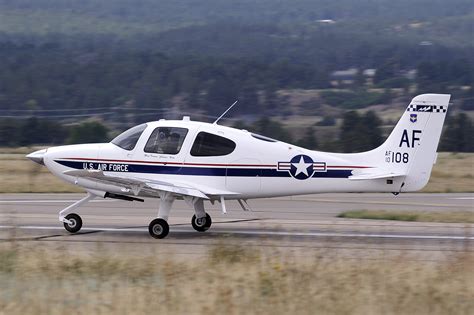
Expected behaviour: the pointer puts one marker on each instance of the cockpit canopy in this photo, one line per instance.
(169, 140)
(128, 139)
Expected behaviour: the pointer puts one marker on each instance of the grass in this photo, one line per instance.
(45, 280)
(20, 175)
(453, 172)
(444, 217)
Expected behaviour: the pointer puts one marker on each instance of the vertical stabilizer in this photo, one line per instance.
(411, 147)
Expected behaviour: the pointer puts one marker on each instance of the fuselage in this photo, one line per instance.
(210, 155)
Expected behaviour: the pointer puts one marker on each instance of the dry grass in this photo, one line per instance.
(419, 216)
(20, 175)
(452, 173)
(230, 280)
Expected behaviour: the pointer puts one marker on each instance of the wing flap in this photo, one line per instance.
(136, 184)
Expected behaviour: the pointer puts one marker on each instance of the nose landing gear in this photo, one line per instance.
(73, 223)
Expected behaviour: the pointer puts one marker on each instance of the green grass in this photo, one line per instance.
(444, 217)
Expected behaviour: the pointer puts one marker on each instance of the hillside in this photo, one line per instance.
(128, 61)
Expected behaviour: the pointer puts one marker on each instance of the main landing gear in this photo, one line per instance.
(158, 228)
(201, 224)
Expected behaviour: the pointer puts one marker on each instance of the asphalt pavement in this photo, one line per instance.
(304, 225)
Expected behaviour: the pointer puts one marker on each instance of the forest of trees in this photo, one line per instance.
(357, 133)
(121, 63)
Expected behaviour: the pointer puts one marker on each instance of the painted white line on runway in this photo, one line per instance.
(240, 232)
(462, 198)
(50, 201)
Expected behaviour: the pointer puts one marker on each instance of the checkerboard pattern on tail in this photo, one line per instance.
(427, 108)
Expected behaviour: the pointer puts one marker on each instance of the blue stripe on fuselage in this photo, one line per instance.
(203, 171)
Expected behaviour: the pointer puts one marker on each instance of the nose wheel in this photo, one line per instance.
(158, 228)
(201, 224)
(73, 223)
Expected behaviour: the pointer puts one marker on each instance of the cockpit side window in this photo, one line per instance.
(207, 144)
(128, 139)
(166, 140)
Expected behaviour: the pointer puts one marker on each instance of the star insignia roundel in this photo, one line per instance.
(299, 167)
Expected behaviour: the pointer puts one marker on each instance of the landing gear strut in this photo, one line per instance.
(159, 227)
(72, 221)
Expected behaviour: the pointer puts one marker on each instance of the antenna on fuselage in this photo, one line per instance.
(215, 123)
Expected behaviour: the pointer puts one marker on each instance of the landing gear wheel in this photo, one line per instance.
(75, 223)
(158, 228)
(201, 224)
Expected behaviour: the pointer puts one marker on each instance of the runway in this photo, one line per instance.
(304, 225)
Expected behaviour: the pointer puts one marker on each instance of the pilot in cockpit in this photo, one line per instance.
(173, 143)
(167, 143)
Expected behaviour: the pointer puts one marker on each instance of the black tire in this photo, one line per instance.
(202, 224)
(158, 228)
(75, 225)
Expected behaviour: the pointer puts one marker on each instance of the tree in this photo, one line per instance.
(349, 137)
(327, 121)
(248, 99)
(272, 129)
(271, 101)
(457, 136)
(309, 140)
(88, 132)
(372, 134)
(9, 132)
(386, 71)
(40, 131)
(220, 95)
(360, 133)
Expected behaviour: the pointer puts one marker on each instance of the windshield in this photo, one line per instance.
(128, 139)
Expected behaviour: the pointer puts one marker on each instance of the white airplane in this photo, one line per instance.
(197, 162)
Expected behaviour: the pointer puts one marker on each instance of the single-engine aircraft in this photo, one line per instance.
(197, 162)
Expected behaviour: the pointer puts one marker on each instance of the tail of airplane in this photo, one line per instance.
(410, 150)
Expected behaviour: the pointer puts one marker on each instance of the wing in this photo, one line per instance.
(153, 187)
